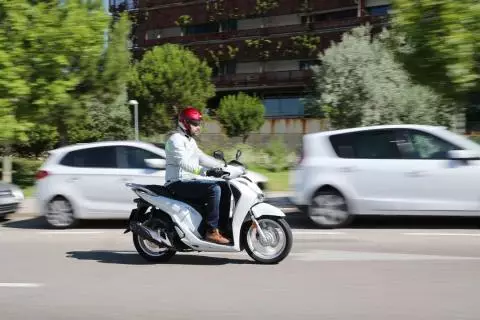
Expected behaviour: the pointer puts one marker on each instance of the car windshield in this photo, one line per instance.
(458, 139)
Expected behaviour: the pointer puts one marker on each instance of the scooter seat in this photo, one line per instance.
(160, 190)
(165, 192)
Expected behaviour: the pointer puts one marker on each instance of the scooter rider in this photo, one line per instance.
(186, 164)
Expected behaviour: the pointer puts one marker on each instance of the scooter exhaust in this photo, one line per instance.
(149, 234)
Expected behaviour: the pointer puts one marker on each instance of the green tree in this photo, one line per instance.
(360, 83)
(114, 69)
(14, 87)
(168, 77)
(443, 43)
(39, 138)
(104, 122)
(57, 48)
(241, 114)
(107, 116)
(58, 61)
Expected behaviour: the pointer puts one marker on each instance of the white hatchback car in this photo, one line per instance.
(87, 181)
(386, 170)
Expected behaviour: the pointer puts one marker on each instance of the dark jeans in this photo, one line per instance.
(209, 191)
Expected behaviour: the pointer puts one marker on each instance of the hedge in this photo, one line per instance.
(24, 171)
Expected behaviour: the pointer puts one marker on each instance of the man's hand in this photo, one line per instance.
(215, 172)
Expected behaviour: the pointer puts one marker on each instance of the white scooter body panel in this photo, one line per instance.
(248, 198)
(265, 209)
(180, 212)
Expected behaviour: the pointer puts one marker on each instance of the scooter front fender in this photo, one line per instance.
(265, 209)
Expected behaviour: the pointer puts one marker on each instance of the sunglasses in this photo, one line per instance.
(195, 123)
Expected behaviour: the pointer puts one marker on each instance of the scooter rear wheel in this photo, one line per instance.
(151, 251)
(277, 244)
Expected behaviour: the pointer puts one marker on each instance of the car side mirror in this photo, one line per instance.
(156, 163)
(463, 155)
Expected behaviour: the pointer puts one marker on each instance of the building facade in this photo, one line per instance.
(262, 47)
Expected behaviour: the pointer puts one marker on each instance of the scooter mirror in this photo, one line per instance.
(218, 155)
(239, 153)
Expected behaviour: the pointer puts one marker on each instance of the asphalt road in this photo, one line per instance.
(380, 269)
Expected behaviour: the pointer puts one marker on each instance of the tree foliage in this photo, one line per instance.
(443, 38)
(360, 83)
(13, 82)
(56, 61)
(168, 78)
(241, 114)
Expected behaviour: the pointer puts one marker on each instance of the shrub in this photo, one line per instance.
(24, 171)
(279, 157)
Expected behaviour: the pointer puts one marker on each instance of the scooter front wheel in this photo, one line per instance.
(277, 242)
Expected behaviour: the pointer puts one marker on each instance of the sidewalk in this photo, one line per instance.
(278, 199)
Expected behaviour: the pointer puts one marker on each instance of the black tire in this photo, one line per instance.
(163, 256)
(60, 220)
(335, 216)
(285, 250)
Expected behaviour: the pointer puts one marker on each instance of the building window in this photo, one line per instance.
(212, 27)
(329, 16)
(308, 64)
(202, 28)
(122, 4)
(379, 10)
(224, 68)
(228, 25)
(283, 107)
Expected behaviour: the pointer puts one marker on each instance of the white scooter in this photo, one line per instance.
(163, 224)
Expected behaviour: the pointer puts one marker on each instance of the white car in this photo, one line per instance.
(11, 196)
(87, 181)
(386, 170)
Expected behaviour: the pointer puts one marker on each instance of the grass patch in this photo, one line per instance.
(28, 191)
(277, 181)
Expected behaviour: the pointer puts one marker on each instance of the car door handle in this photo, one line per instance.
(416, 173)
(73, 179)
(125, 179)
(348, 169)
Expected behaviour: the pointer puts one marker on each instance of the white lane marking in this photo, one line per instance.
(71, 232)
(314, 232)
(437, 234)
(337, 255)
(19, 285)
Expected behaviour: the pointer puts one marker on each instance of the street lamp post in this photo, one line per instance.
(135, 115)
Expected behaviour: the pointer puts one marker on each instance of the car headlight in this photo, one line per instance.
(18, 194)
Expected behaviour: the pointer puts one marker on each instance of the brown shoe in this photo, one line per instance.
(215, 236)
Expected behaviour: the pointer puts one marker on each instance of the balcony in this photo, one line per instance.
(145, 4)
(264, 32)
(279, 79)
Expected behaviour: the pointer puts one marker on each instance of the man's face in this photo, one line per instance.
(195, 128)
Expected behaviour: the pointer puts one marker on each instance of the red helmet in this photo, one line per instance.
(188, 116)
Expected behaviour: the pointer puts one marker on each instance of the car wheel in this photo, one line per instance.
(329, 209)
(60, 213)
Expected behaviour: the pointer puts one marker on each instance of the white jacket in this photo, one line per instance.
(185, 161)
